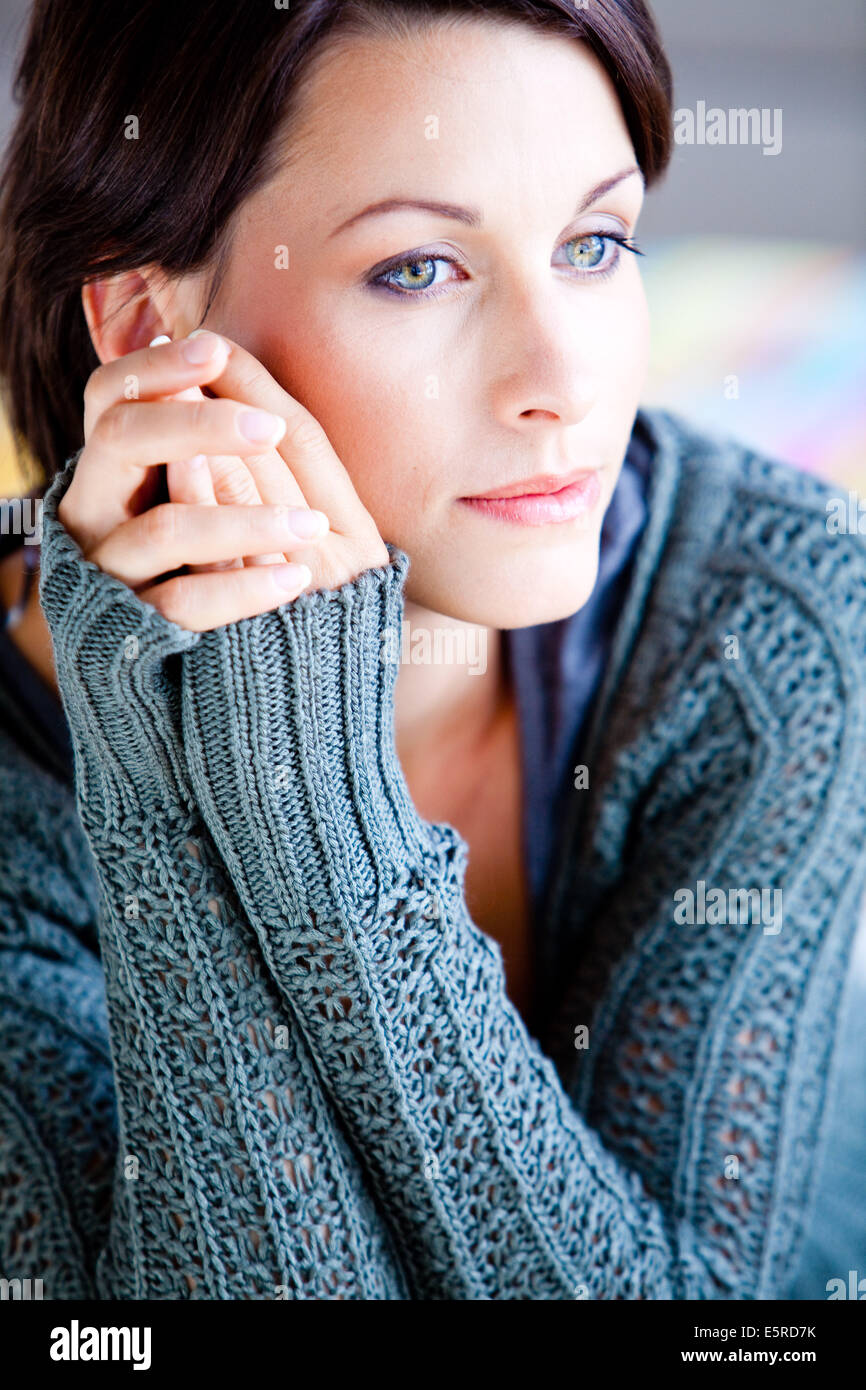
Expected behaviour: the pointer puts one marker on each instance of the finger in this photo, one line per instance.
(265, 477)
(162, 368)
(274, 480)
(231, 481)
(235, 486)
(304, 448)
(172, 535)
(231, 484)
(130, 438)
(191, 480)
(201, 602)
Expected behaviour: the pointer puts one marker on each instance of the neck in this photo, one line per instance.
(449, 694)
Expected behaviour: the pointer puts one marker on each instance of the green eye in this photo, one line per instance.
(415, 275)
(590, 251)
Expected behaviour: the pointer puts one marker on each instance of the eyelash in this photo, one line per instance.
(377, 280)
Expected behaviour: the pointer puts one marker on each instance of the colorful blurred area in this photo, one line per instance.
(11, 482)
(764, 341)
(759, 340)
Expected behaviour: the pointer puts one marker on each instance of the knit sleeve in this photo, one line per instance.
(497, 1187)
(232, 1178)
(57, 1119)
(57, 1116)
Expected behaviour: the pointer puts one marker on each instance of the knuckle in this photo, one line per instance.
(201, 416)
(233, 483)
(94, 390)
(247, 379)
(241, 491)
(161, 524)
(303, 432)
(110, 429)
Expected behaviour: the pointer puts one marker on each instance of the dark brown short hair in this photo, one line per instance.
(213, 87)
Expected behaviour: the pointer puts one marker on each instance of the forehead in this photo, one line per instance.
(454, 110)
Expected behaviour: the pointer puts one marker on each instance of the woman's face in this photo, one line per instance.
(445, 357)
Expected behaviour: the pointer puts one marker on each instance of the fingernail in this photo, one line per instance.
(158, 341)
(202, 348)
(197, 332)
(291, 577)
(197, 461)
(307, 523)
(260, 427)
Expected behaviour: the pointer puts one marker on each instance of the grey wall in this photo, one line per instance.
(807, 58)
(13, 14)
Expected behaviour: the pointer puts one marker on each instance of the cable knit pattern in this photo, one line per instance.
(719, 1036)
(322, 1088)
(230, 1179)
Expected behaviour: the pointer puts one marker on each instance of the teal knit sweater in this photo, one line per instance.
(295, 1072)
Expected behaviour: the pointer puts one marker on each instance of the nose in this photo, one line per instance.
(544, 367)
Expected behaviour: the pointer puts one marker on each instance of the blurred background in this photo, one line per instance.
(755, 267)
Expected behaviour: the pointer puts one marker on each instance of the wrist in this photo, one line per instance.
(288, 721)
(113, 670)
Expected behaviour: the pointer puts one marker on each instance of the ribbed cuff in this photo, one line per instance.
(118, 679)
(289, 733)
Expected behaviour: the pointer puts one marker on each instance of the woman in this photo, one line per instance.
(383, 859)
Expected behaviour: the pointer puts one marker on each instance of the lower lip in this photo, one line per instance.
(542, 508)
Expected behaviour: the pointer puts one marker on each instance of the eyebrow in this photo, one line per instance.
(472, 216)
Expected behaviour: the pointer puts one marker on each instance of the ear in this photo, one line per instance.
(126, 311)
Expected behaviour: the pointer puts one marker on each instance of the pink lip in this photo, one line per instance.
(539, 503)
(530, 487)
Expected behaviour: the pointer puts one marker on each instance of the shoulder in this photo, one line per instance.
(739, 527)
(746, 649)
(745, 479)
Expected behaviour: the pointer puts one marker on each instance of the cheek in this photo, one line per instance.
(382, 417)
(629, 341)
(624, 374)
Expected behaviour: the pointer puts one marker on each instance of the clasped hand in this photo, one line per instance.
(256, 491)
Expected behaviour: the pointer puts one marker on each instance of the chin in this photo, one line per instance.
(507, 591)
(545, 601)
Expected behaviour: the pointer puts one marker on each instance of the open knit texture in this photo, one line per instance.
(296, 1072)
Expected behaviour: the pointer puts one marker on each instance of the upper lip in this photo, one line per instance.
(542, 482)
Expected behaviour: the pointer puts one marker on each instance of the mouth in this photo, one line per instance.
(541, 501)
(540, 485)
